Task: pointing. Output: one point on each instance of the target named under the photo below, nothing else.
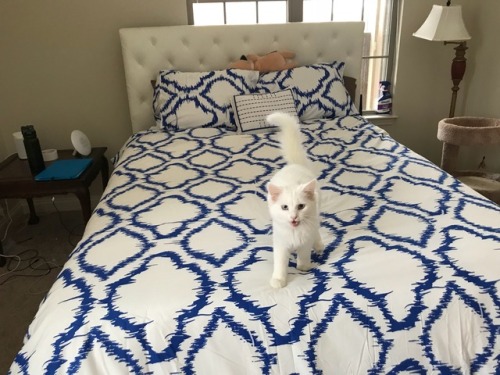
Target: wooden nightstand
(16, 181)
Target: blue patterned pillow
(318, 90)
(187, 100)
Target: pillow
(187, 100)
(251, 110)
(318, 90)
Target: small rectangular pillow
(199, 99)
(251, 110)
(318, 90)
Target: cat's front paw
(277, 283)
(304, 267)
(318, 246)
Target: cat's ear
(309, 189)
(274, 191)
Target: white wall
(61, 67)
(423, 92)
(3, 147)
(483, 67)
(423, 84)
(482, 88)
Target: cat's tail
(291, 140)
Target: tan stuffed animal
(273, 61)
(243, 63)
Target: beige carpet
(43, 249)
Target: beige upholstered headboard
(147, 50)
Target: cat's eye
(300, 206)
(284, 207)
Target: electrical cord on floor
(71, 232)
(28, 263)
(9, 223)
(26, 260)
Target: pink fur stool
(470, 131)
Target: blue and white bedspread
(172, 274)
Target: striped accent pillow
(251, 110)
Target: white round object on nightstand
(81, 143)
(49, 154)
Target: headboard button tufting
(140, 60)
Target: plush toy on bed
(273, 61)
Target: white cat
(293, 199)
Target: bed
(172, 273)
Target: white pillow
(199, 99)
(251, 110)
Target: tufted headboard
(147, 50)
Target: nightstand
(16, 181)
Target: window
(380, 19)
(235, 12)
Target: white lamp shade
(444, 24)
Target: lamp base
(458, 66)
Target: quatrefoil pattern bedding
(172, 274)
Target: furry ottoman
(470, 131)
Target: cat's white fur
(293, 200)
